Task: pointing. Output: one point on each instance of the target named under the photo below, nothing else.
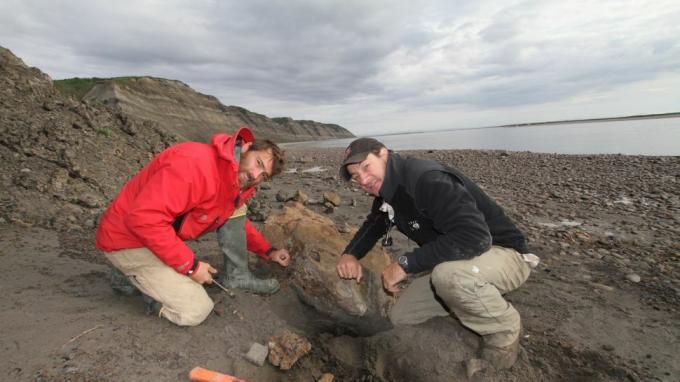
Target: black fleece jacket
(439, 208)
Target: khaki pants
(471, 289)
(184, 301)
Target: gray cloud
(427, 54)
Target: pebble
(603, 287)
(633, 277)
(257, 354)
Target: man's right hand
(349, 268)
(203, 273)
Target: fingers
(349, 270)
(211, 269)
(360, 275)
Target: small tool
(221, 286)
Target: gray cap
(357, 151)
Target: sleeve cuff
(268, 253)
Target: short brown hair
(278, 160)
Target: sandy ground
(602, 306)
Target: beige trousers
(472, 290)
(184, 301)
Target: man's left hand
(281, 256)
(391, 276)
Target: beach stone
(283, 196)
(315, 245)
(332, 197)
(300, 196)
(633, 277)
(257, 354)
(287, 348)
(327, 377)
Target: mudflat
(603, 305)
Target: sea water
(652, 136)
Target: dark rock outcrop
(63, 160)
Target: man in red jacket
(187, 190)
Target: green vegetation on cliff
(78, 87)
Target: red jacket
(197, 180)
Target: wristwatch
(403, 263)
(193, 267)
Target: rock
(327, 377)
(315, 244)
(283, 196)
(300, 197)
(474, 365)
(633, 277)
(332, 197)
(265, 186)
(257, 354)
(329, 208)
(89, 201)
(344, 228)
(602, 287)
(286, 348)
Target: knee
(452, 274)
(193, 313)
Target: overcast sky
(373, 66)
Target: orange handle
(199, 374)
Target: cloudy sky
(373, 66)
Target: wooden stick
(81, 334)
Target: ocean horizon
(648, 136)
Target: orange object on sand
(199, 374)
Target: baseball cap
(357, 151)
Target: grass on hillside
(78, 87)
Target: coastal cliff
(191, 115)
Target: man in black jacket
(472, 252)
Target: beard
(245, 180)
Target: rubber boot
(235, 273)
(501, 349)
(120, 283)
(152, 307)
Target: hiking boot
(501, 356)
(121, 284)
(235, 273)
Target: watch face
(403, 261)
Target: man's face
(254, 167)
(370, 173)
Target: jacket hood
(224, 144)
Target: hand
(203, 273)
(281, 256)
(391, 276)
(349, 268)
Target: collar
(391, 181)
